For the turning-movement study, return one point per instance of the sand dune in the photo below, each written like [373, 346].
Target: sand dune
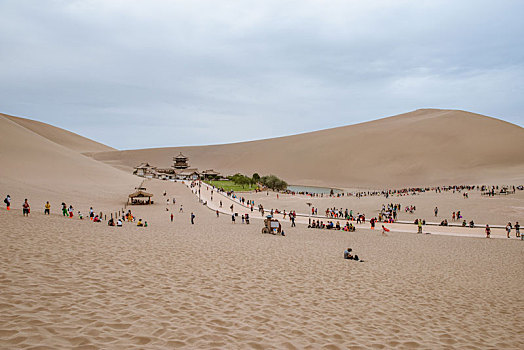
[41, 169]
[60, 136]
[423, 147]
[70, 283]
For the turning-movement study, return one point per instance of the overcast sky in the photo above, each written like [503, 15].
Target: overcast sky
[135, 74]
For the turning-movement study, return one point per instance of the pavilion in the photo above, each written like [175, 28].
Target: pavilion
[139, 197]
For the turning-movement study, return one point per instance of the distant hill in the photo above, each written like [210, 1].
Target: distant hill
[423, 147]
[41, 162]
[60, 136]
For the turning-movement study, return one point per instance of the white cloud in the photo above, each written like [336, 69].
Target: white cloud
[206, 71]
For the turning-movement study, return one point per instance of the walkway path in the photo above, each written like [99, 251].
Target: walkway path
[241, 209]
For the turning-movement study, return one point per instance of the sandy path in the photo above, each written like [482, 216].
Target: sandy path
[205, 193]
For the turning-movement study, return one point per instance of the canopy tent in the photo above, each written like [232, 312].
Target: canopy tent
[139, 197]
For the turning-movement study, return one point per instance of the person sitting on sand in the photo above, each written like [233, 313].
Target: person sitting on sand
[444, 222]
[111, 222]
[337, 226]
[96, 219]
[384, 230]
[119, 223]
[464, 223]
[471, 224]
[145, 224]
[139, 223]
[349, 255]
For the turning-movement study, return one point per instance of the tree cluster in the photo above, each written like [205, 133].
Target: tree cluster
[242, 180]
[273, 182]
[270, 181]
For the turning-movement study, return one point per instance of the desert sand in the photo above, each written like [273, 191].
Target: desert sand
[421, 148]
[71, 283]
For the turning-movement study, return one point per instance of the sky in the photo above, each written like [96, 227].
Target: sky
[139, 74]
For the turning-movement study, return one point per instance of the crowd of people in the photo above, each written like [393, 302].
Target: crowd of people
[68, 212]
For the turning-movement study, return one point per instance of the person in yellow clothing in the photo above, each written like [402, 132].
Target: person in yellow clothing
[140, 224]
[47, 208]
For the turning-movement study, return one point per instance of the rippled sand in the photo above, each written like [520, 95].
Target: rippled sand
[66, 283]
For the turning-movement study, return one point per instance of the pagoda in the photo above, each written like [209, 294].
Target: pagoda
[180, 162]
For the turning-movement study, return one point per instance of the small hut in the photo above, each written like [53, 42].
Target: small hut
[210, 174]
[139, 197]
[188, 174]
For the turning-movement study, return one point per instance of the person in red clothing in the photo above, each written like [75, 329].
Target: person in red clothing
[26, 208]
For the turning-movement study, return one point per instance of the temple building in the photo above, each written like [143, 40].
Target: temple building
[145, 170]
[180, 162]
[179, 171]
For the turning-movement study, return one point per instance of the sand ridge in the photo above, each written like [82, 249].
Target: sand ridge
[419, 148]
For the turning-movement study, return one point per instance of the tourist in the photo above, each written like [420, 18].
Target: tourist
[80, 215]
[233, 218]
[218, 214]
[488, 231]
[348, 255]
[145, 224]
[64, 209]
[508, 229]
[119, 223]
[47, 208]
[26, 209]
[171, 217]
[231, 207]
[7, 202]
[192, 219]
[419, 226]
[292, 220]
[181, 209]
[70, 211]
[140, 224]
[247, 219]
[471, 224]
[91, 213]
[436, 211]
[111, 222]
[96, 219]
[384, 230]
[517, 229]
